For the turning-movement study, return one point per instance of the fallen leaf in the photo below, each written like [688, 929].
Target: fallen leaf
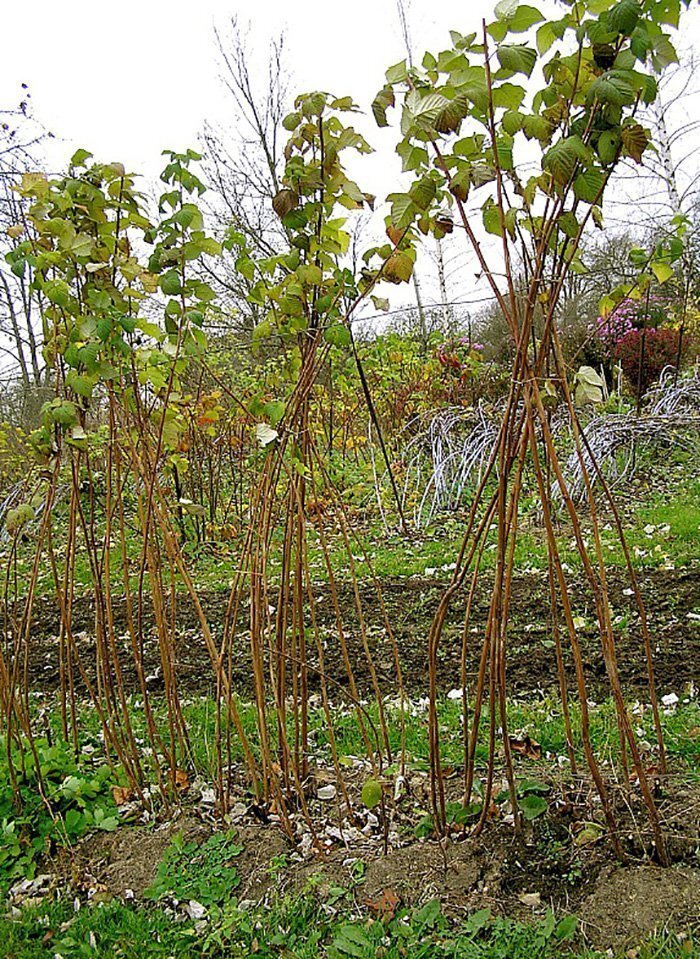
[385, 904]
[526, 747]
[122, 795]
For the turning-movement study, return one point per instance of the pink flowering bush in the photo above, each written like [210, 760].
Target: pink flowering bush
[620, 336]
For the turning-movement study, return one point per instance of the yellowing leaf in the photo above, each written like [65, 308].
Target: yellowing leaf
[662, 271]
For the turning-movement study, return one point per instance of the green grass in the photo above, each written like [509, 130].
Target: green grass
[299, 928]
[540, 719]
[661, 522]
[662, 531]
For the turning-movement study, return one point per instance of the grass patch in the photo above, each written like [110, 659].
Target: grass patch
[300, 928]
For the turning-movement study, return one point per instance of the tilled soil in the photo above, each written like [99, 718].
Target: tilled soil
[672, 599]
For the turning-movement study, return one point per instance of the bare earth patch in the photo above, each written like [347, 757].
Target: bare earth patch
[630, 903]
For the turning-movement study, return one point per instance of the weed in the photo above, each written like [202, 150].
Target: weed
[203, 872]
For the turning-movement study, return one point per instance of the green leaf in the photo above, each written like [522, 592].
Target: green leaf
[623, 16]
[468, 146]
[524, 18]
[613, 89]
[517, 58]
[337, 335]
[547, 34]
[292, 121]
[371, 793]
[591, 832]
[310, 274]
[403, 210]
[82, 245]
[492, 219]
[80, 157]
[566, 927]
[104, 328]
[189, 217]
[422, 193]
[351, 940]
[460, 184]
[504, 151]
[533, 786]
[74, 822]
[58, 292]
[537, 128]
[650, 90]
[398, 73]
[664, 53]
[532, 806]
[513, 18]
[562, 158]
[381, 103]
[274, 410]
[424, 110]
[170, 283]
[313, 104]
[512, 121]
[588, 186]
[608, 145]
[294, 220]
[413, 157]
[508, 95]
[65, 414]
[450, 117]
[568, 224]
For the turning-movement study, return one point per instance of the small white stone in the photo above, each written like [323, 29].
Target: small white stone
[327, 793]
[195, 910]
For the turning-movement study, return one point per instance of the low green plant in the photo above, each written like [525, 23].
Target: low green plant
[203, 872]
[69, 798]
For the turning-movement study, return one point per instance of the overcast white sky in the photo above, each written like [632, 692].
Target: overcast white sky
[128, 79]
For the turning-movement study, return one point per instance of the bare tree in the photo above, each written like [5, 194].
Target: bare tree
[21, 362]
[243, 162]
